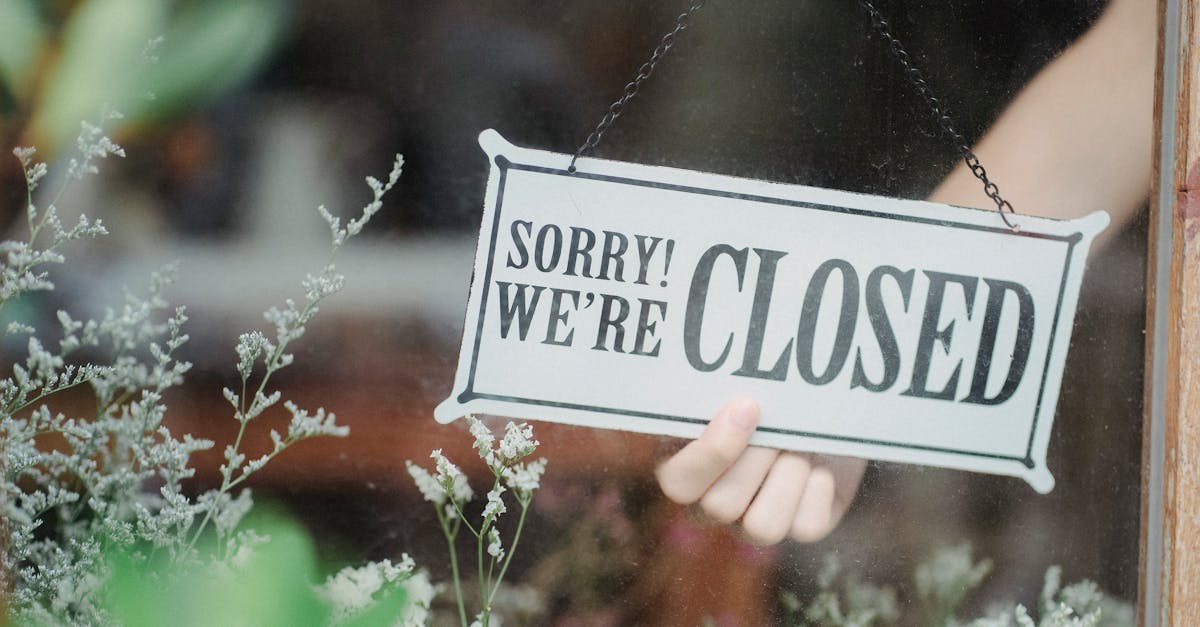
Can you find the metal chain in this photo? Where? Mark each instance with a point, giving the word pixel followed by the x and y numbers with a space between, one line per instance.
pixel 883 28
pixel 917 80
pixel 631 89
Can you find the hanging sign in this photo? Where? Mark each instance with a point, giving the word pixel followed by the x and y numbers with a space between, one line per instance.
pixel 641 298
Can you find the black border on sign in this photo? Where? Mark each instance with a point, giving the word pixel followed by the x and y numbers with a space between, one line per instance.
pixel 504 165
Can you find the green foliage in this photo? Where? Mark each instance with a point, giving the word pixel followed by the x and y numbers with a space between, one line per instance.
pixel 21 37
pixel 271 585
pixel 102 59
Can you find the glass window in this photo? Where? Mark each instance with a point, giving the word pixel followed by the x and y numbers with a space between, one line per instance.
pixel 225 179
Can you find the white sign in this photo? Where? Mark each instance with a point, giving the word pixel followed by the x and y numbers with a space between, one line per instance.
pixel 641 298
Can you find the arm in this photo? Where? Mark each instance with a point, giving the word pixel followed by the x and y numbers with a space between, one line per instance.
pixel 1077 138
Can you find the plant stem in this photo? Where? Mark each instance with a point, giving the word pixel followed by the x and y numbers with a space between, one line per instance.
pixel 512 550
pixel 41 397
pixel 462 612
pixel 483 595
pixel 225 485
pixel 462 517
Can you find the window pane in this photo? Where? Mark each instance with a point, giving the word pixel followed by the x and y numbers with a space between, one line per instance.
pixel 227 183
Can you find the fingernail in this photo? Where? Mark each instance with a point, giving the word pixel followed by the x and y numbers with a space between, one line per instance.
pixel 744 414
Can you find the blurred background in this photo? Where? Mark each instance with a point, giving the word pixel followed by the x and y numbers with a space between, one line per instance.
pixel 253 112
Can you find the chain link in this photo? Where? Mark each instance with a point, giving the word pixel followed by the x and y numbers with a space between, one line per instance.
pixel 631 88
pixel 917 80
pixel 883 28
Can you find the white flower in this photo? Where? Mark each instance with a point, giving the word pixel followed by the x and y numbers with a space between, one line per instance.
pixel 249 347
pixel 446 470
pixel 495 505
pixel 34 170
pixel 430 489
pixel 525 478
pixel 518 442
pixel 461 490
pixel 484 440
pixel 354 589
pixel 451 478
pixel 65 573
pixel 494 547
pixel 420 594
pixel 303 425
pixel 1023 618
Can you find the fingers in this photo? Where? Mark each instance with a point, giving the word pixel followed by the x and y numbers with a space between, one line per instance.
pixel 774 494
pixel 831 487
pixel 813 516
pixel 687 475
pixel 770 516
pixel 728 498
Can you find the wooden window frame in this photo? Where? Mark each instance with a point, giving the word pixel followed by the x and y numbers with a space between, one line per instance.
pixel 1169 593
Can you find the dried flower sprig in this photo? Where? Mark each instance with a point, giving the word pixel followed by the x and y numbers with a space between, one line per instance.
pixel 353 590
pixel 944 581
pixel 63 503
pixel 448 490
pixel 76 487
pixel 255 347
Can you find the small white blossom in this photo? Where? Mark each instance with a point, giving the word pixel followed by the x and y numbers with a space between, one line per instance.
pixel 338 234
pixel 17 328
pixel 495 504
pixel 62 504
pixel 231 396
pixel 352 590
pixel 304 425
pixel 34 170
pixel 25 154
pixel 518 442
pixel 1023 618
pixel 452 480
pixel 484 440
pixel 494 548
pixel 524 479
pixel 317 287
pixel 249 347
pixel 93 144
pixel 429 487
pixel 420 592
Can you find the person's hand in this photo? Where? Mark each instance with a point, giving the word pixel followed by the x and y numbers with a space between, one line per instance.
pixel 775 494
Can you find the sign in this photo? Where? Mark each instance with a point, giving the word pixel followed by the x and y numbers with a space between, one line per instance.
pixel 624 296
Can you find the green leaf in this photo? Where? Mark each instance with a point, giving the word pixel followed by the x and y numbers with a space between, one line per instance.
pixel 272 587
pixel 22 35
pixel 385 612
pixel 211 48
pixel 208 47
pixel 98 65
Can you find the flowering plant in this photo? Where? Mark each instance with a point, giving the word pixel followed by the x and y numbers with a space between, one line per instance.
pixel 448 490
pixel 76 487
pixel 943 582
